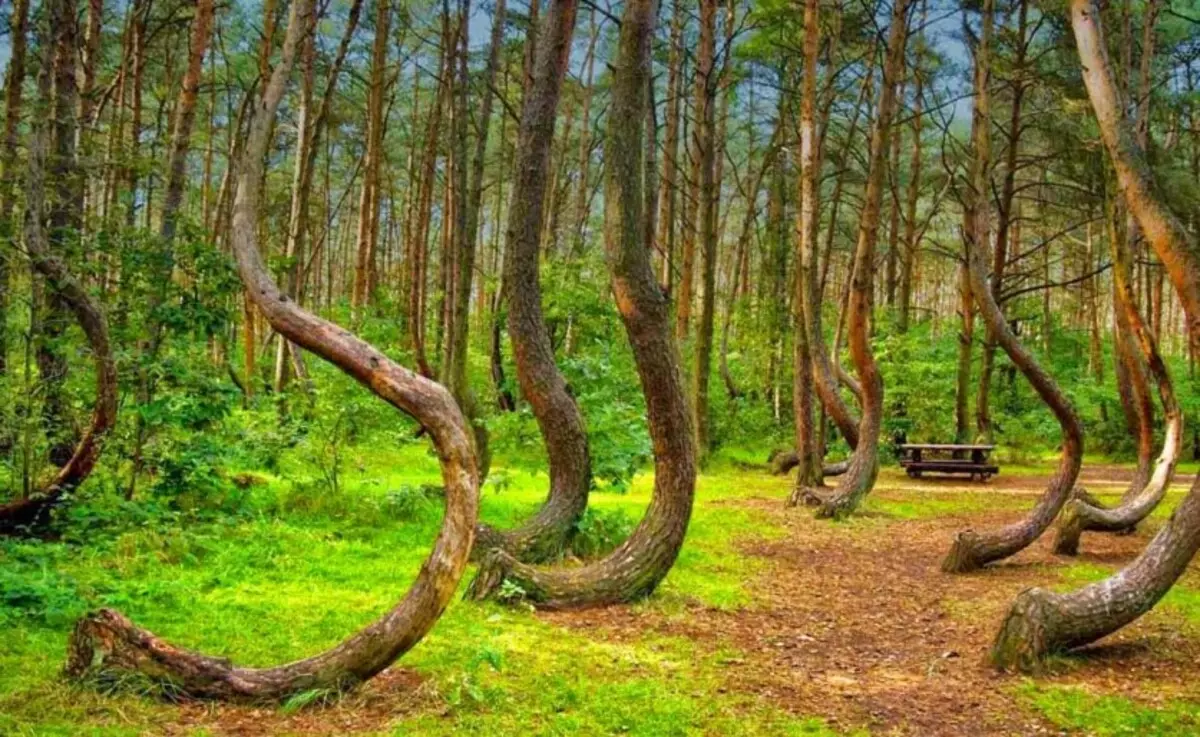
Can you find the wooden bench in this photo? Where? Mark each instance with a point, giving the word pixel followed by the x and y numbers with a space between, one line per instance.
pixel 917 458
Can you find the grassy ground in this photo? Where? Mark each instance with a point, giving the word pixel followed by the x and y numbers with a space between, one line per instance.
pixel 308 566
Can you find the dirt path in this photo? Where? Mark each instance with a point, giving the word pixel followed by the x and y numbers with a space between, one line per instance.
pixel 855 623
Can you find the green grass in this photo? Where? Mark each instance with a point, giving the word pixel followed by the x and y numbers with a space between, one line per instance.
pixel 309 566
pixel 303 566
pixel 1078 709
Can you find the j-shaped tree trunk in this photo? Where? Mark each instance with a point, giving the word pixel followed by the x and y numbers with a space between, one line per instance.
pixel 367 234
pixel 107 646
pixel 1040 622
pixel 546 534
pixel 826 377
pixel 859 478
pixel 637 566
pixel 33 511
pixel 454 363
pixel 972 550
pixel 806 301
pixel 1080 515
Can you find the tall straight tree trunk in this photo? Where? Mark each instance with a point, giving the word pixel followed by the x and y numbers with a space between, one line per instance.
pixel 311 129
pixel 683 295
pixel 545 536
pixel 13 87
pixel 455 360
pixel 806 301
pixel 298 211
pixel 65 219
pixel 966 340
pixel 368 207
pixel 1041 623
pixel 32 511
pixel 583 189
pixel 707 219
pixel 107 643
pixel 639 564
pixel 668 199
pixel 972 550
pixel 908 256
pixel 892 265
pixel 418 250
pixel 1004 228
pixel 180 145
pixel 859 478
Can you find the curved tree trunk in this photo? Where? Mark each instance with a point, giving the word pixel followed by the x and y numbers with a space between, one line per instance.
pixel 33 511
pixel 1147 490
pixel 864 465
pixel 825 377
pixel 547 533
pixel 105 644
pixel 1040 622
pixel 637 566
pixel 972 550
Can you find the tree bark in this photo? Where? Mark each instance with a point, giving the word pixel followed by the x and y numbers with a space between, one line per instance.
pixel 966 339
pixel 1004 227
pixel 972 550
pixel 546 534
pixel 1041 623
pixel 13 88
pixel 669 198
pixel 911 238
pixel 418 249
pixel 638 565
pixel 1147 490
pixel 859 478
pixel 368 208
pixel 106 644
pixel 65 220
pixel 806 301
pixel 705 138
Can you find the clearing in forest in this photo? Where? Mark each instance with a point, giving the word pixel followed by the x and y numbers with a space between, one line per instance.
pixel 771 623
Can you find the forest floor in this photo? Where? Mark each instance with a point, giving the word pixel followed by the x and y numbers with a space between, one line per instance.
pixel 771 623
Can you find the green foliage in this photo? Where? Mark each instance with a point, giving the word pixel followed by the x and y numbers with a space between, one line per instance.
pixel 599 531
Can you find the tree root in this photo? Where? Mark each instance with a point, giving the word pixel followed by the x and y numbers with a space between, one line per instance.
pixel 807 496
pixel 1070 529
pixel 964 553
pixel 1025 638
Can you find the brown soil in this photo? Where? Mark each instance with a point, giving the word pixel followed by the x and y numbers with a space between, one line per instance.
pixel 857 624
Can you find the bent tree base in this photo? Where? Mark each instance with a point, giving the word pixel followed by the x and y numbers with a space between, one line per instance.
pixel 545 536
pixel 108 647
pixel 639 564
pixel 1029 632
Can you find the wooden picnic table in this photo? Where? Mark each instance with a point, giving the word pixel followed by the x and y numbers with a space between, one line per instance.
pixel 971 459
